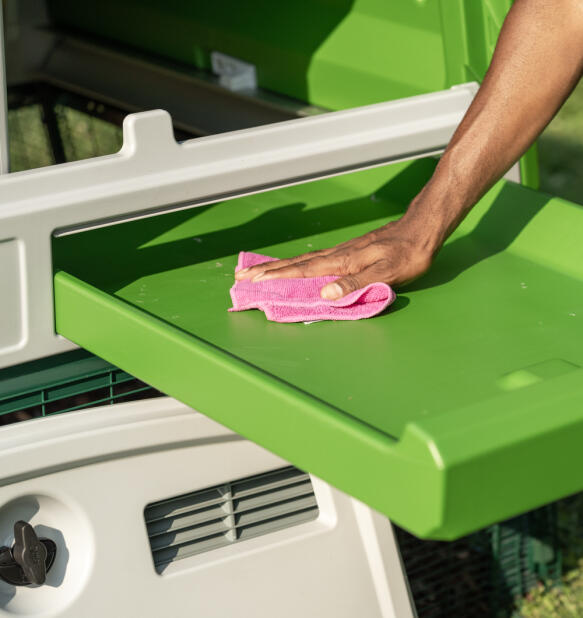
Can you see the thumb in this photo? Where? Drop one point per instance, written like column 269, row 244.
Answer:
column 349, row 283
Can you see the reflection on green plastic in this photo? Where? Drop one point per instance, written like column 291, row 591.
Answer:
column 333, row 53
column 409, row 411
column 529, row 169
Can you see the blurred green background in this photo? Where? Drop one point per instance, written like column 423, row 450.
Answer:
column 561, row 152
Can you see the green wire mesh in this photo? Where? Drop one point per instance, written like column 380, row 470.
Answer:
column 47, row 126
column 482, row 574
column 29, row 141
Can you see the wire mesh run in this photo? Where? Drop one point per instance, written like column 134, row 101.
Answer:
column 48, row 125
column 483, row 574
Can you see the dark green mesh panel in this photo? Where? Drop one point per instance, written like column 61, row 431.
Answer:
column 482, row 574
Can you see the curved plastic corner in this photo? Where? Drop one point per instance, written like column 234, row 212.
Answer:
column 148, row 134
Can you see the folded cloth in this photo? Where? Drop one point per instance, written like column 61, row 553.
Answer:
column 299, row 300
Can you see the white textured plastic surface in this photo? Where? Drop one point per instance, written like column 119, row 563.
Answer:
column 84, row 478
column 3, row 105
column 152, row 174
column 13, row 304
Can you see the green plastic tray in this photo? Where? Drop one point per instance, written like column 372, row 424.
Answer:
column 460, row 406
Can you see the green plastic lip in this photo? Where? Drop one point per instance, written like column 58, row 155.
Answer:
column 269, row 411
column 461, row 406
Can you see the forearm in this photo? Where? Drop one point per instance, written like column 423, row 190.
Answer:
column 537, row 62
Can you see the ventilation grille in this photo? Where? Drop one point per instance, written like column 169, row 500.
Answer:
column 64, row 383
column 218, row 516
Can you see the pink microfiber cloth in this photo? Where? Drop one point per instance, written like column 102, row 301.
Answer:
column 299, row 300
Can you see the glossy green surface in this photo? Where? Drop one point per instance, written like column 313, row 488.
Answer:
column 437, row 412
column 334, row 53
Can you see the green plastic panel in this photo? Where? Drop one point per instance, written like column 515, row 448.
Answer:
column 460, row 406
column 333, row 53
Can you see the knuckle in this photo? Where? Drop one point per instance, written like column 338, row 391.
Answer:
column 301, row 269
column 378, row 249
column 382, row 266
column 349, row 283
column 288, row 271
column 345, row 261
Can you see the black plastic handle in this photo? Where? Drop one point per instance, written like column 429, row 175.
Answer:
column 29, row 553
column 30, row 558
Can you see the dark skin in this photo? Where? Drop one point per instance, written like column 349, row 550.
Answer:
column 537, row 63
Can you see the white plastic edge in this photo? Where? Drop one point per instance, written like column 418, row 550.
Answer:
column 4, row 160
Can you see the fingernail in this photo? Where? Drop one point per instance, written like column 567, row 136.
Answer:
column 240, row 274
column 331, row 292
column 258, row 277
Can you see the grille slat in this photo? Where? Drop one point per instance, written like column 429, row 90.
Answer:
column 277, row 501
column 259, row 499
column 185, row 504
column 218, row 516
column 188, row 535
column 276, row 523
column 186, row 520
column 265, row 482
column 164, row 557
column 183, row 534
column 281, row 508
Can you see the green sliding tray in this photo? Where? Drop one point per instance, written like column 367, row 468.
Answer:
column 459, row 406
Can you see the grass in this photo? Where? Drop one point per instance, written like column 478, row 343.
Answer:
column 83, row 136
column 561, row 151
column 562, row 601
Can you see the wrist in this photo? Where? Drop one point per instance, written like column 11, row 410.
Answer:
column 438, row 209
column 428, row 223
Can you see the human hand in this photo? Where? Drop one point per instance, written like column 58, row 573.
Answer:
column 395, row 254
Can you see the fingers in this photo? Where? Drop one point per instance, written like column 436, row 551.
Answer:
column 349, row 283
column 254, row 271
column 317, row 266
